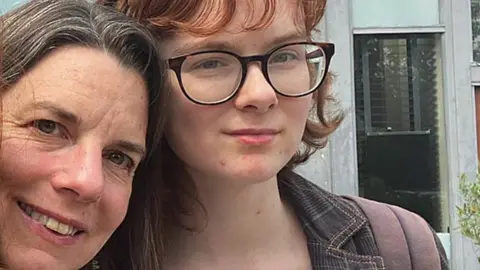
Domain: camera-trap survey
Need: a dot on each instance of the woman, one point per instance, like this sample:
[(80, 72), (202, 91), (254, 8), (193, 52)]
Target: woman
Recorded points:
[(81, 112), (245, 77)]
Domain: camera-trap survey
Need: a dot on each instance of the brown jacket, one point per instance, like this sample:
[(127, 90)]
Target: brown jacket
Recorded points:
[(338, 233)]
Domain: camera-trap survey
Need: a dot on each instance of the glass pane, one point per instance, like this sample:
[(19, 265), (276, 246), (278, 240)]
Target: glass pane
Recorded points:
[(400, 127), (476, 29), (394, 13), (477, 117)]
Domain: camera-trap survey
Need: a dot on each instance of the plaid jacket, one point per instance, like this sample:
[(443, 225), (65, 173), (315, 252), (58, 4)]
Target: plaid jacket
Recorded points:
[(338, 233)]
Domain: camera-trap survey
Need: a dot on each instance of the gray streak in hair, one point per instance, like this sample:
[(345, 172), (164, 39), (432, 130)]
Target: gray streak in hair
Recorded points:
[(32, 31)]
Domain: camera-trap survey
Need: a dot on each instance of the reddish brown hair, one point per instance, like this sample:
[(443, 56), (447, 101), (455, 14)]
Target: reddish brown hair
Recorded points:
[(167, 17), (196, 16)]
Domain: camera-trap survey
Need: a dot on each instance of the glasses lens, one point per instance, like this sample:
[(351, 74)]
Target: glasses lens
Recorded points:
[(211, 77), (297, 69)]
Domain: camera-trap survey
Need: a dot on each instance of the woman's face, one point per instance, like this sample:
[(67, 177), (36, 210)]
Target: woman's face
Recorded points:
[(252, 136), (73, 131)]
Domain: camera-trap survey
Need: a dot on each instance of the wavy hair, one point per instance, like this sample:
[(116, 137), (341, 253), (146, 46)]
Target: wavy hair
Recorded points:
[(195, 17)]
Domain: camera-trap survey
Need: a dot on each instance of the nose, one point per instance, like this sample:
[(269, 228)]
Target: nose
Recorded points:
[(256, 93), (83, 175)]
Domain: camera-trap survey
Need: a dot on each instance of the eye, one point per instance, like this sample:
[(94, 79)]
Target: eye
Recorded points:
[(121, 159), (47, 126), (210, 64), (283, 57)]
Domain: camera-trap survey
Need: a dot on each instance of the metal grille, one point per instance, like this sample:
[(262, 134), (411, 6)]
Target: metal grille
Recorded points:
[(396, 102)]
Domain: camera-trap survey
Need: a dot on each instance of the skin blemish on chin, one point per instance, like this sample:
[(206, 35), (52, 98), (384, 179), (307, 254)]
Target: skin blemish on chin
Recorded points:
[(222, 163)]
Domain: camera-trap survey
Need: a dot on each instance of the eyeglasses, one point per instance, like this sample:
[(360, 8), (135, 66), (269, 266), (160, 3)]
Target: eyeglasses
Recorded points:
[(213, 77)]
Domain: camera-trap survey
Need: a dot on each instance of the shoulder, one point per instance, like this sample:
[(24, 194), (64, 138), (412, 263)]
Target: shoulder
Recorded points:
[(327, 216), (340, 221), (308, 197)]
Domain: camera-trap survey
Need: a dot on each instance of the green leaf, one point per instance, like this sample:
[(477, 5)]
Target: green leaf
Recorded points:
[(469, 213)]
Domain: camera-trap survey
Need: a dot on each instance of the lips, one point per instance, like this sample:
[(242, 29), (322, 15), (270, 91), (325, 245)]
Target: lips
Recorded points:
[(254, 136), (53, 222), (253, 132)]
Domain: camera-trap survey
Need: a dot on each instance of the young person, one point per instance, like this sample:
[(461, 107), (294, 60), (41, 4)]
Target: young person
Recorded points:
[(245, 77)]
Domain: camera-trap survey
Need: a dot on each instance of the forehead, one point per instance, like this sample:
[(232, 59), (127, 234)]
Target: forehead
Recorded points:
[(258, 14), (87, 82), (79, 70)]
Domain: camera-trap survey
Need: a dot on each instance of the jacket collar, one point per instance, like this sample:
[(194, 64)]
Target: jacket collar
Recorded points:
[(329, 222)]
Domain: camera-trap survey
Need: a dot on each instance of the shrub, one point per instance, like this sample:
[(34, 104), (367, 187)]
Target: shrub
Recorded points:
[(469, 213)]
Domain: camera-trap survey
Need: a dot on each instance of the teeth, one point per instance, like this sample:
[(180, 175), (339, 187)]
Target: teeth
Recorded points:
[(35, 215), (49, 222), (52, 224), (63, 229), (28, 210), (44, 220)]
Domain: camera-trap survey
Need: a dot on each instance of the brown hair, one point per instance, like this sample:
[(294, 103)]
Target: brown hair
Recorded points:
[(31, 31), (2, 259), (195, 17)]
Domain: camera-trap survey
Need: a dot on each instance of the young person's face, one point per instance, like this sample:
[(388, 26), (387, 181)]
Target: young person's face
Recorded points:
[(72, 133), (252, 136)]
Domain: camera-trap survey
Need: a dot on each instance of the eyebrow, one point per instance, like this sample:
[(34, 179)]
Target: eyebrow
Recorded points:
[(70, 117), (61, 113), (226, 45)]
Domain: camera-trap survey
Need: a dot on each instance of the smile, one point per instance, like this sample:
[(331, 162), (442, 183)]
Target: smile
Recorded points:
[(49, 222)]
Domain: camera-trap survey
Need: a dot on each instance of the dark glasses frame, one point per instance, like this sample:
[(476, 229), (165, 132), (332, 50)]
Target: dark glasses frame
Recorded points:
[(176, 63)]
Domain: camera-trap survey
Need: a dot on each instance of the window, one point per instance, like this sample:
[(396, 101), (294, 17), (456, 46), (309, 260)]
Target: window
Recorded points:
[(477, 117), (400, 126), (394, 13), (475, 7)]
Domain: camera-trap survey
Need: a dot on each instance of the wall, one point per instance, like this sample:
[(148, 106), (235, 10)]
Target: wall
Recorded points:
[(335, 167)]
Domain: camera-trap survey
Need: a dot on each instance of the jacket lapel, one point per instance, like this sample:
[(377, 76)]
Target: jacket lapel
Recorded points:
[(330, 224)]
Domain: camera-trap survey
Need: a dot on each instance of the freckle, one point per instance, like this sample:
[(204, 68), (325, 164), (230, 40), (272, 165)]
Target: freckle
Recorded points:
[(259, 212)]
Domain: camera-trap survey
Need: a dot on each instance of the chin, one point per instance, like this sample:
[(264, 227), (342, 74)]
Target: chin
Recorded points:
[(38, 260), (255, 174)]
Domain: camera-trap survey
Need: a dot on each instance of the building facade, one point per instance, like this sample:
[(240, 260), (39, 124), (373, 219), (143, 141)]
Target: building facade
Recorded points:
[(406, 77)]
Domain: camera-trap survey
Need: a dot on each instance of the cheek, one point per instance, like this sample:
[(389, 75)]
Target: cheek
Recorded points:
[(24, 166), (185, 133), (297, 114), (189, 122), (115, 206), (298, 111), (21, 162), (194, 130)]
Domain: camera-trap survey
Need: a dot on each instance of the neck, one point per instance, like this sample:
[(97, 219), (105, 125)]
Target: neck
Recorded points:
[(240, 219)]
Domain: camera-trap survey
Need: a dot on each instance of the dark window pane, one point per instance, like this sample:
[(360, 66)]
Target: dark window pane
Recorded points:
[(399, 128), (475, 4)]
